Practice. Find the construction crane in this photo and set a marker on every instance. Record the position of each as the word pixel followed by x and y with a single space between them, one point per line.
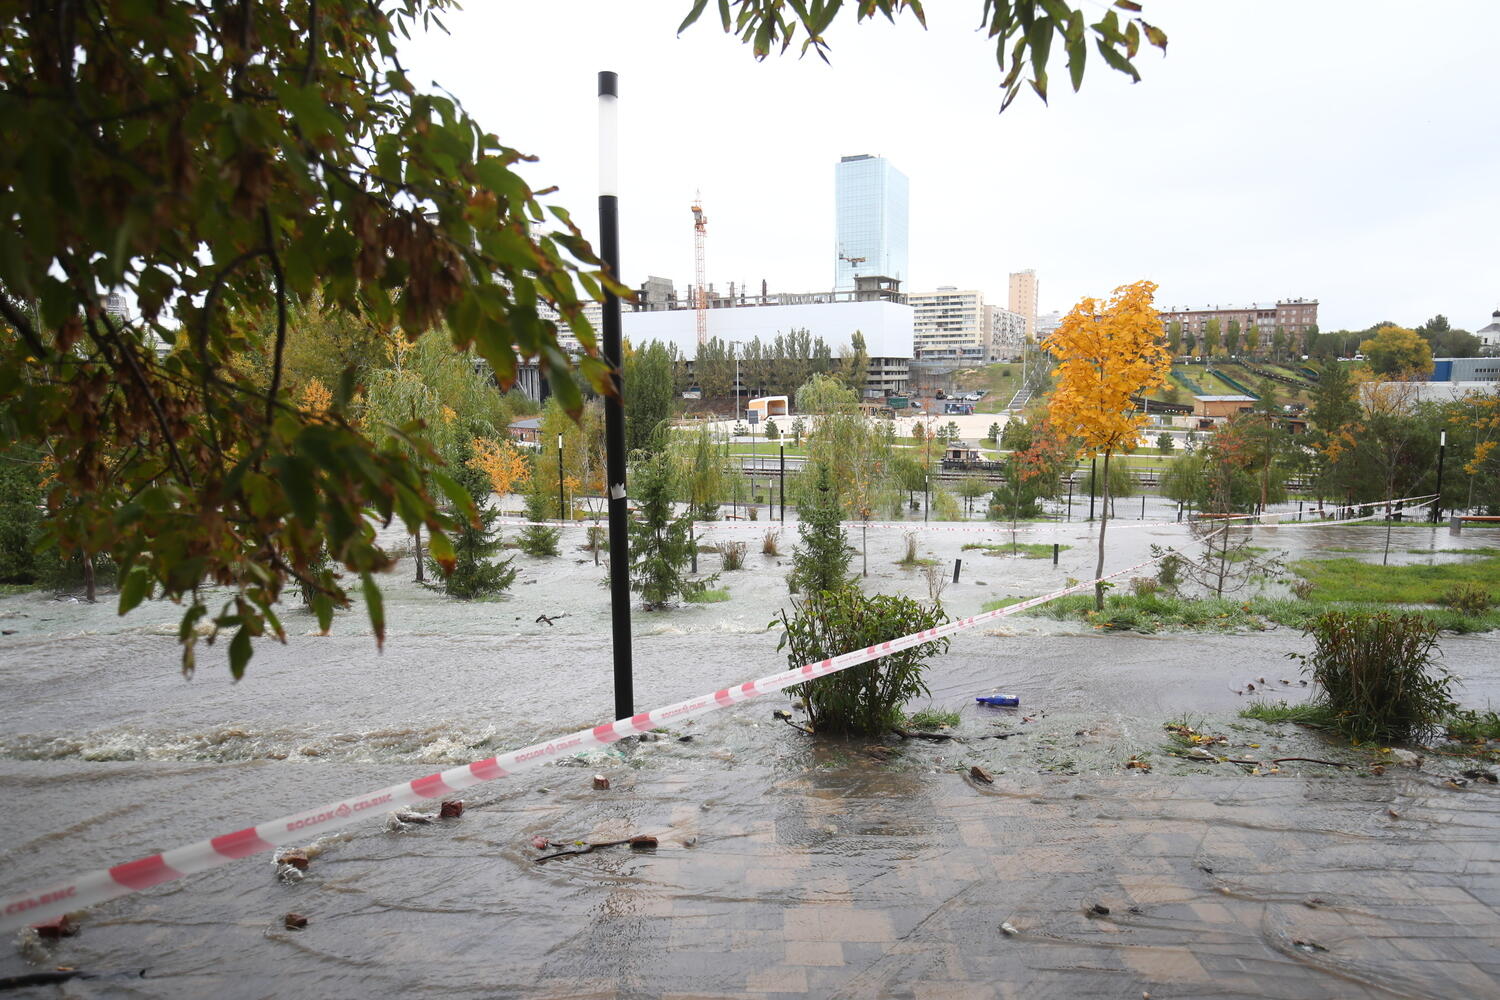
pixel 854 262
pixel 700 291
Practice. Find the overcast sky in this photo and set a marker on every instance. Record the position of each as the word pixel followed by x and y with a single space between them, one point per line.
pixel 1345 150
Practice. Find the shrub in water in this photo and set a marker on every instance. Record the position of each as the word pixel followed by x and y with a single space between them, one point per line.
pixel 1467 598
pixel 867 698
pixel 821 560
pixel 733 554
pixel 1376 674
pixel 771 544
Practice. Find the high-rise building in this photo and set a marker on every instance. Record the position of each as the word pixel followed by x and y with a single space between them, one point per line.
pixel 1023 298
pixel 1007 334
pixel 949 325
pixel 871 199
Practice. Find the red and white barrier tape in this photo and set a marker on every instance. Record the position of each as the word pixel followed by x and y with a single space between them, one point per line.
pixel 123 879
pixel 705 528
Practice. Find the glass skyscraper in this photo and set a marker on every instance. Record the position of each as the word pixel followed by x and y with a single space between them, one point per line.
pixel 871 198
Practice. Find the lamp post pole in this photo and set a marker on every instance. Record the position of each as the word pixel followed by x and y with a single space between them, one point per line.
pixel 1437 504
pixel 614 403
pixel 560 507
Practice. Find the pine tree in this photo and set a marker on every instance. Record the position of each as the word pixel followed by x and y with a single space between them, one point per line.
pixel 537 539
pixel 474 545
pixel 660 546
pixel 821 560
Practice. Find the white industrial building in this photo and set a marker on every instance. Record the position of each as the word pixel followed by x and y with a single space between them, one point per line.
pixel 833 317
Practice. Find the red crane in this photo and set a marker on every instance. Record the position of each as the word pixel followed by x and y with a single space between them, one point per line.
pixel 700 291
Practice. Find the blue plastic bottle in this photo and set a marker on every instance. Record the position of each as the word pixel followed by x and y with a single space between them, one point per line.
pixel 1003 700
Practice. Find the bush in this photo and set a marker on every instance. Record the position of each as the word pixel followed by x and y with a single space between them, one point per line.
pixel 474 575
pixel 770 544
pixel 733 554
pixel 1169 570
pixel 1144 586
pixel 867 698
pixel 1303 589
pixel 909 557
pixel 1467 598
pixel 1377 676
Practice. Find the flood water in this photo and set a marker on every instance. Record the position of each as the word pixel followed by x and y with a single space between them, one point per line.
pixel 787 865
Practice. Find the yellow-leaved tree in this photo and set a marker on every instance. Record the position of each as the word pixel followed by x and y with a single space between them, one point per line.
pixel 1107 352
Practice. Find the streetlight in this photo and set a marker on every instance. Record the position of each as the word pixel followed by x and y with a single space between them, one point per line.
pixel 1437 503
pixel 559 476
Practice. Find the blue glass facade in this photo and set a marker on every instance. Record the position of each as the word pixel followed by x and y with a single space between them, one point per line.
pixel 871 198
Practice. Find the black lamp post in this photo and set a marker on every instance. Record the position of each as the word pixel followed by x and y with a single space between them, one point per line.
pixel 614 404
pixel 1437 503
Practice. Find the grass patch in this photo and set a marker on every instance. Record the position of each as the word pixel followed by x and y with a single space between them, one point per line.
pixel 1026 550
pixel 932 718
pixel 1003 602
pixel 1353 580
pixel 11 589
pixel 1149 613
pixel 707 596
pixel 1473 727
pixel 1484 550
pixel 1280 711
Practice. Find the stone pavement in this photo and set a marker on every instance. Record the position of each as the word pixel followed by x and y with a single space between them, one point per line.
pixel 896 884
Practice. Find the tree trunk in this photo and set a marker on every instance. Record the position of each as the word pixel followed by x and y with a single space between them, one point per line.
pixel 419 554
pixel 88 577
pixel 693 537
pixel 1103 524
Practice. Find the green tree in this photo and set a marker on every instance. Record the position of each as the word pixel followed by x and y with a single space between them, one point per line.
pixel 993 434
pixel 1398 352
pixel 823 394
pixel 1252 340
pixel 660 543
pixel 1174 337
pixel 539 539
pixel 855 366
pixel 20 514
pixel 1232 338
pixel 648 401
pixel 772 432
pixel 1164 443
pixel 820 562
pixel 799 428
pixel 221 164
pixel 1278 343
pixel 1211 338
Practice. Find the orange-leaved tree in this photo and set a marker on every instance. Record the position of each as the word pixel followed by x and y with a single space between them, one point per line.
pixel 1107 352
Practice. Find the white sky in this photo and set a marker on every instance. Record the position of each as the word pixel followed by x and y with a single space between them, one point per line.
pixel 1345 150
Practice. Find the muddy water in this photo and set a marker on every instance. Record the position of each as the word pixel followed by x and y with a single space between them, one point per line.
pixel 786 865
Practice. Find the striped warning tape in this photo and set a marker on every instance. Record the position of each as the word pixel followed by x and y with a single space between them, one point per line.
pixel 1330 515
pixel 120 880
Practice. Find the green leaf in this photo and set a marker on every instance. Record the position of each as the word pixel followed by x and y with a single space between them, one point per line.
pixel 375 607
pixel 441 550
pixel 693 15
pixel 239 652
pixel 457 495
pixel 135 588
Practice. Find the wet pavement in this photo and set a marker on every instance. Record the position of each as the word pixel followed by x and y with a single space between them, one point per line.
pixel 787 865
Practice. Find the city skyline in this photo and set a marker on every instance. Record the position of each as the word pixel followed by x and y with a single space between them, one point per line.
pixel 1350 174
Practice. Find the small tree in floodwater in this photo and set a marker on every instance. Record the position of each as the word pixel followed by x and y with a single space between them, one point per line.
pixel 660 544
pixel 821 560
pixel 539 539
pixel 868 698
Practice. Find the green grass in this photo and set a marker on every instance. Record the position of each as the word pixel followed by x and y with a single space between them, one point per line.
pixel 932 718
pixel 914 563
pixel 1167 612
pixel 1473 727
pixel 1026 550
pixel 1280 711
pixel 11 589
pixel 1345 580
pixel 1003 602
pixel 1485 550
pixel 713 596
